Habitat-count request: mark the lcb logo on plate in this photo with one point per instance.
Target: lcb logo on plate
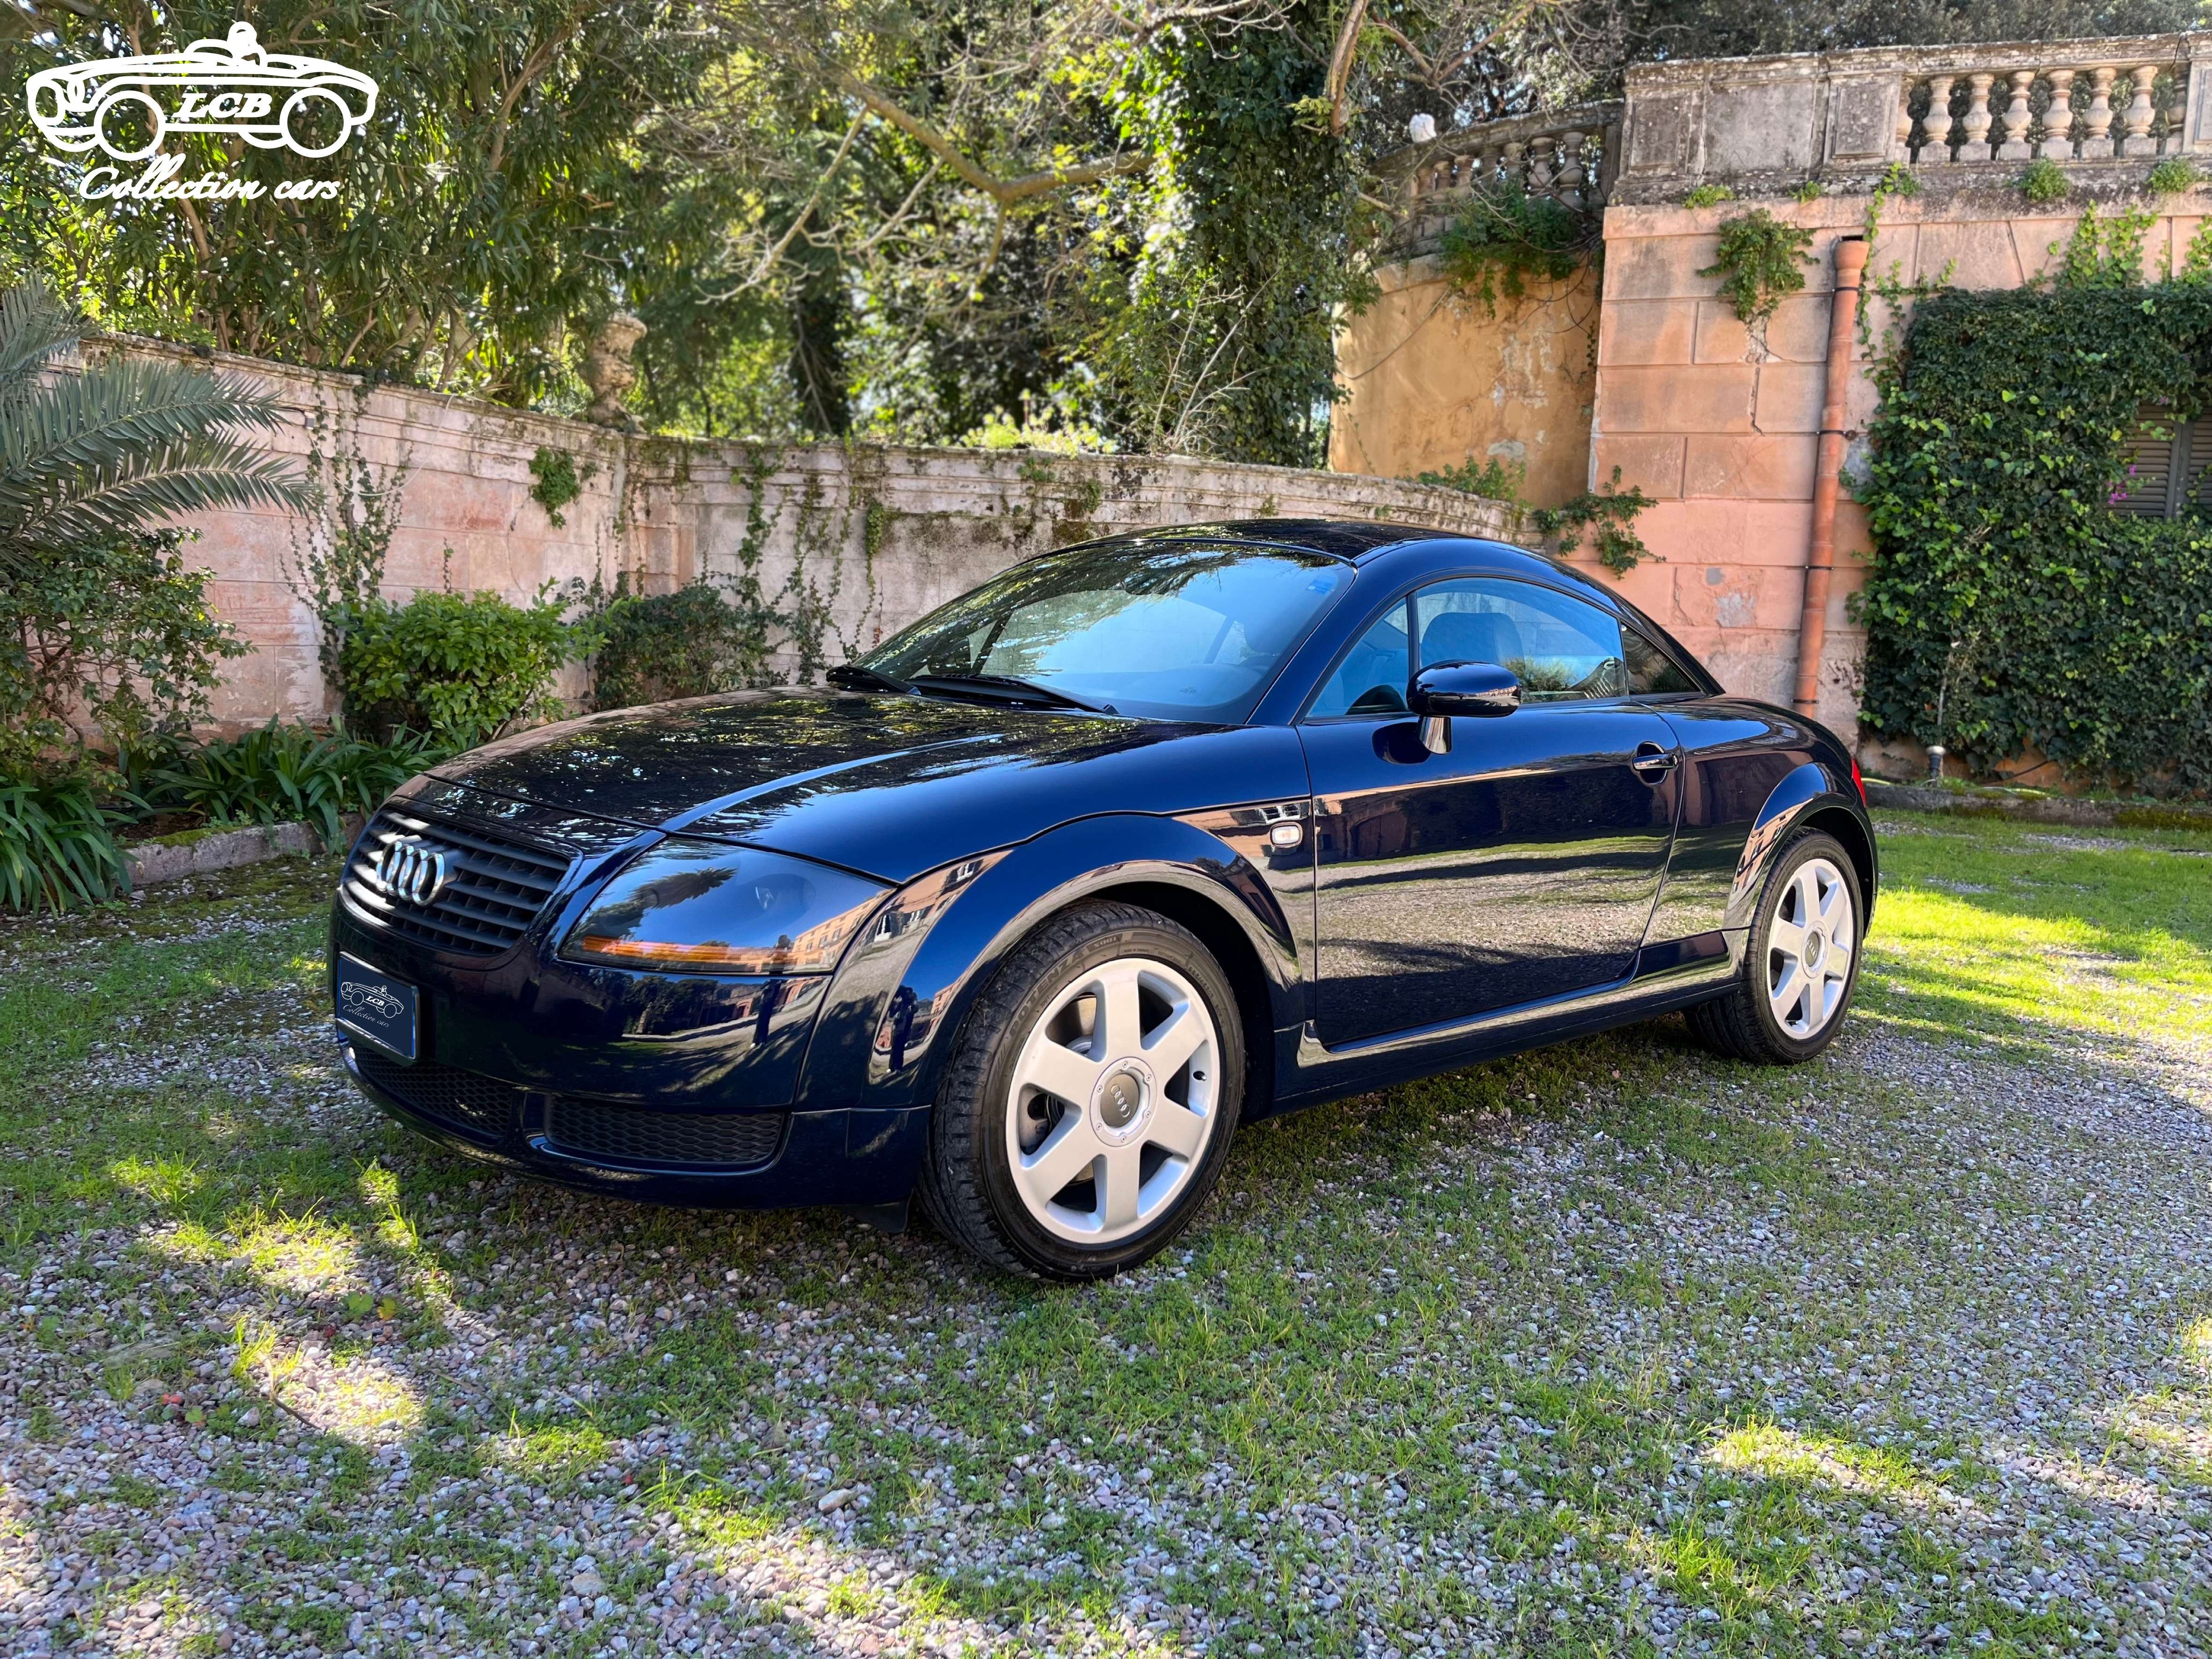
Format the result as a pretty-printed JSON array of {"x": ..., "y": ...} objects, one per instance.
[{"x": 127, "y": 105}]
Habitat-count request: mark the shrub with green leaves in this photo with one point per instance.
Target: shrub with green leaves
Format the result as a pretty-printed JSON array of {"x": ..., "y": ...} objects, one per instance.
[
  {"x": 1606, "y": 519},
  {"x": 2006, "y": 591},
  {"x": 652, "y": 647},
  {"x": 1505, "y": 240},
  {"x": 114, "y": 628},
  {"x": 457, "y": 668},
  {"x": 284, "y": 774},
  {"x": 2044, "y": 182},
  {"x": 56, "y": 845}
]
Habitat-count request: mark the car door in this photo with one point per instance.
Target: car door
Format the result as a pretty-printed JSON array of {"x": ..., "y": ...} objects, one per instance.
[{"x": 1520, "y": 865}]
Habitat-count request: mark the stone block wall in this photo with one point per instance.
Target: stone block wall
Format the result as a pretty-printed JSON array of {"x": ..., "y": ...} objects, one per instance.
[
  {"x": 849, "y": 543},
  {"x": 1431, "y": 380},
  {"x": 1722, "y": 427}
]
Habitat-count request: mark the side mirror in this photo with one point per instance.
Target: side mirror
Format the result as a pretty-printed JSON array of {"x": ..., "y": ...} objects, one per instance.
[{"x": 1482, "y": 691}]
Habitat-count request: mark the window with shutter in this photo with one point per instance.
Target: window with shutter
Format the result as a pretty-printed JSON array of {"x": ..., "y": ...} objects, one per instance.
[{"x": 2169, "y": 466}]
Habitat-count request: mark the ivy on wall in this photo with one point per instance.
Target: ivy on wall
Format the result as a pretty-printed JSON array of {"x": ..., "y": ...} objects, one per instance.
[{"x": 2010, "y": 608}]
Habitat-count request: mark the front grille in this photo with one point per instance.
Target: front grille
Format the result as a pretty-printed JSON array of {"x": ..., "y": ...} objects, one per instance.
[
  {"x": 496, "y": 891},
  {"x": 467, "y": 1100},
  {"x": 599, "y": 1129}
]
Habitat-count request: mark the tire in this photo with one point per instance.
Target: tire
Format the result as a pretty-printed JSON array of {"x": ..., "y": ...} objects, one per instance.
[
  {"x": 1767, "y": 1017},
  {"x": 1036, "y": 1182}
]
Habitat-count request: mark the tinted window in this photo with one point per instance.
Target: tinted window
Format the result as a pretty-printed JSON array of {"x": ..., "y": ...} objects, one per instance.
[
  {"x": 1172, "y": 630},
  {"x": 1651, "y": 672},
  {"x": 1560, "y": 648},
  {"x": 1371, "y": 679}
]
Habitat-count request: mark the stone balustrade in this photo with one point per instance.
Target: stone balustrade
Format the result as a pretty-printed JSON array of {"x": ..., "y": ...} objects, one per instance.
[
  {"x": 2102, "y": 108},
  {"x": 1569, "y": 155},
  {"x": 2090, "y": 100}
]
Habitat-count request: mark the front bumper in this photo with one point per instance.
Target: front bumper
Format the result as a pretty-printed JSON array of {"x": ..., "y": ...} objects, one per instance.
[
  {"x": 731, "y": 1160},
  {"x": 691, "y": 1090}
]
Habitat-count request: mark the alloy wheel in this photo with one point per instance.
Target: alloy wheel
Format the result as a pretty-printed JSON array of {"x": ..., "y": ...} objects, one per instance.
[
  {"x": 1114, "y": 1099},
  {"x": 1809, "y": 949}
]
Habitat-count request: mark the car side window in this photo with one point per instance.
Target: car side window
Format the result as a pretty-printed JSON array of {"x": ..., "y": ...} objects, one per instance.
[
  {"x": 1372, "y": 677},
  {"x": 1561, "y": 649},
  {"x": 1651, "y": 672}
]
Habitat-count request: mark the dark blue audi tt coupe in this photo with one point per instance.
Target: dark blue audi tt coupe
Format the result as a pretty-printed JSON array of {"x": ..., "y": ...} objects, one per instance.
[{"x": 1033, "y": 906}]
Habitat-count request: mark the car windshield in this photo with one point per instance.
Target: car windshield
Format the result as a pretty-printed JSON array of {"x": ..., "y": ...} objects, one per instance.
[{"x": 1168, "y": 630}]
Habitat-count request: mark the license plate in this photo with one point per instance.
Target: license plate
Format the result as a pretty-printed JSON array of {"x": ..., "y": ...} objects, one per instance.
[{"x": 377, "y": 1007}]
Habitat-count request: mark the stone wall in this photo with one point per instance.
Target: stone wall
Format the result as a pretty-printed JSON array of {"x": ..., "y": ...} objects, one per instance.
[
  {"x": 1717, "y": 422},
  {"x": 1723, "y": 427},
  {"x": 851, "y": 542},
  {"x": 1516, "y": 385}
]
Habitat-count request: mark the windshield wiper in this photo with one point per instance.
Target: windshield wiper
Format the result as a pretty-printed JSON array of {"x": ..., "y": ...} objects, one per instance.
[
  {"x": 1009, "y": 686},
  {"x": 859, "y": 677}
]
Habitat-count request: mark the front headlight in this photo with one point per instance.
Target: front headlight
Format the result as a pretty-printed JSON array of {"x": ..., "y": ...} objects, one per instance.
[{"x": 697, "y": 907}]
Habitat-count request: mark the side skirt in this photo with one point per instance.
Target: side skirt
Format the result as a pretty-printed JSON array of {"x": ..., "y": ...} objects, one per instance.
[{"x": 1665, "y": 977}]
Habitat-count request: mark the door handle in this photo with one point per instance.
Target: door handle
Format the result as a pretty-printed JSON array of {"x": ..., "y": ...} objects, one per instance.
[{"x": 1652, "y": 761}]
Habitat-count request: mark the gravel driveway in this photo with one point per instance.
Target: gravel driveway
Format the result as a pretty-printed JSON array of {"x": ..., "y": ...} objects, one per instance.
[{"x": 1610, "y": 1350}]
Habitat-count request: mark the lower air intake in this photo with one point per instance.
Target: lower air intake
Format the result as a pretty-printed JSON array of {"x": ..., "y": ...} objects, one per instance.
[
  {"x": 477, "y": 1105},
  {"x": 625, "y": 1135}
]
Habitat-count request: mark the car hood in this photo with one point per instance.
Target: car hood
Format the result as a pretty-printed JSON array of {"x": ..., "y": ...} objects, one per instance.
[{"x": 887, "y": 786}]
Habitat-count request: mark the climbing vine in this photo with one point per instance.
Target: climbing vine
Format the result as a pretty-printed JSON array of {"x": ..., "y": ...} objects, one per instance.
[
  {"x": 556, "y": 480},
  {"x": 1604, "y": 518},
  {"x": 2010, "y": 608},
  {"x": 1760, "y": 262},
  {"x": 1504, "y": 240}
]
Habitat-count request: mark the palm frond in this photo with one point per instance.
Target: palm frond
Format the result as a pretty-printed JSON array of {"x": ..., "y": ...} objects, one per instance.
[
  {"x": 138, "y": 436},
  {"x": 163, "y": 481},
  {"x": 36, "y": 326}
]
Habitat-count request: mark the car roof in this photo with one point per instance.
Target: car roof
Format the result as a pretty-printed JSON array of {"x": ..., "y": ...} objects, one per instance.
[{"x": 1354, "y": 539}]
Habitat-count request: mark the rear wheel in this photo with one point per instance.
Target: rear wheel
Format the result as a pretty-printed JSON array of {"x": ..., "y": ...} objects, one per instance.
[
  {"x": 1802, "y": 963},
  {"x": 1087, "y": 1109}
]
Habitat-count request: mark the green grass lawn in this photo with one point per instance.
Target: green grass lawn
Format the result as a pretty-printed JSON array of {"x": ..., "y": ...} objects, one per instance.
[{"x": 1611, "y": 1349}]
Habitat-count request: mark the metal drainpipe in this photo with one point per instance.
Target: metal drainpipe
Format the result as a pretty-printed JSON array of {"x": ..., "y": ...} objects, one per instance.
[{"x": 1827, "y": 469}]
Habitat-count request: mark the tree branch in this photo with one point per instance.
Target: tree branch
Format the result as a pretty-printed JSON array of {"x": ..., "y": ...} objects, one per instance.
[
  {"x": 1338, "y": 87},
  {"x": 1005, "y": 192}
]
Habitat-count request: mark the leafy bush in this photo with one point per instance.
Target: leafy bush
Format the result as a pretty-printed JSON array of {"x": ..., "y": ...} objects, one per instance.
[
  {"x": 557, "y": 482},
  {"x": 1706, "y": 196},
  {"x": 1760, "y": 262},
  {"x": 116, "y": 627},
  {"x": 284, "y": 774},
  {"x": 1505, "y": 238},
  {"x": 2006, "y": 594},
  {"x": 56, "y": 845},
  {"x": 1493, "y": 479},
  {"x": 690, "y": 643},
  {"x": 457, "y": 668},
  {"x": 2173, "y": 175},
  {"x": 2044, "y": 182}
]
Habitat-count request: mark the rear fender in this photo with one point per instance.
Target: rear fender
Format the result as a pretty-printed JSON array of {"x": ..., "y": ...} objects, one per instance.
[{"x": 1808, "y": 791}]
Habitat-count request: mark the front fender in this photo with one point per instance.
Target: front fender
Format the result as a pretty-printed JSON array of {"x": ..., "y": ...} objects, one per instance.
[
  {"x": 1810, "y": 789},
  {"x": 889, "y": 1027}
]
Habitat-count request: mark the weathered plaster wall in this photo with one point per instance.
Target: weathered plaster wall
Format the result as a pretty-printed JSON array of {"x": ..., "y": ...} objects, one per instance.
[
  {"x": 1432, "y": 379},
  {"x": 851, "y": 543},
  {"x": 1723, "y": 427}
]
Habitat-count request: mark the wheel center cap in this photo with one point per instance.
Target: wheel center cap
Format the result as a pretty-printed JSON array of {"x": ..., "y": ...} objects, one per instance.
[
  {"x": 1122, "y": 1103},
  {"x": 1815, "y": 946}
]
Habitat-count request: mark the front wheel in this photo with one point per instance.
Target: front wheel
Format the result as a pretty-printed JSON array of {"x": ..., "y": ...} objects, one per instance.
[
  {"x": 1088, "y": 1108},
  {"x": 1802, "y": 962}
]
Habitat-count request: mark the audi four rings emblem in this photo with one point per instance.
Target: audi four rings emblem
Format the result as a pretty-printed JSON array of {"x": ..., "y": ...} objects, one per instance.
[{"x": 412, "y": 870}]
